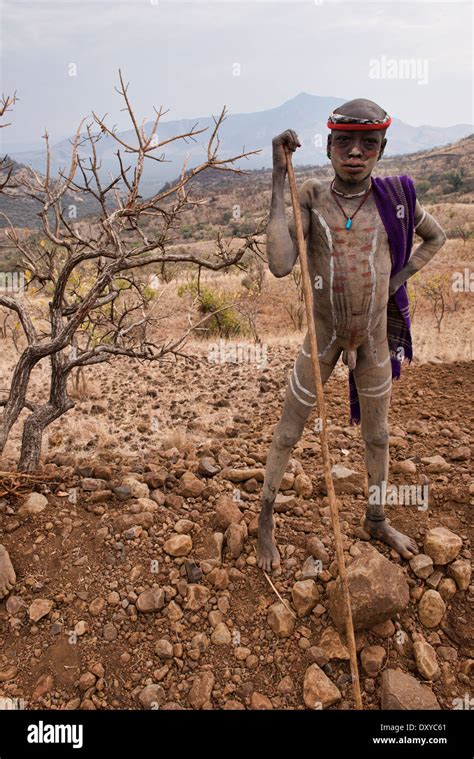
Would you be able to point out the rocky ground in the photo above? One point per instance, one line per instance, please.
(135, 551)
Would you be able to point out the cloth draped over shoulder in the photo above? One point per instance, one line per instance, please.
(395, 198)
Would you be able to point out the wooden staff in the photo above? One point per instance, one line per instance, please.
(308, 297)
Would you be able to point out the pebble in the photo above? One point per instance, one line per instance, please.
(152, 696)
(305, 596)
(39, 609)
(460, 571)
(178, 545)
(281, 621)
(372, 659)
(400, 691)
(150, 600)
(426, 660)
(431, 608)
(201, 690)
(442, 545)
(421, 565)
(318, 690)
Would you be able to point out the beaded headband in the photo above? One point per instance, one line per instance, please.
(339, 121)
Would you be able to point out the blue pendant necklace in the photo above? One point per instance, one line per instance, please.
(349, 219)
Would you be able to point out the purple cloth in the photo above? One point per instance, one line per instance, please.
(395, 198)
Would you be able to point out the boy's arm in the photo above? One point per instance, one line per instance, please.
(433, 237)
(281, 242)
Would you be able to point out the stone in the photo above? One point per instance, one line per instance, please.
(150, 600)
(152, 696)
(378, 590)
(190, 485)
(15, 605)
(259, 701)
(305, 596)
(34, 503)
(435, 464)
(400, 691)
(431, 608)
(462, 453)
(311, 568)
(221, 635)
(281, 620)
(197, 596)
(227, 512)
(164, 649)
(442, 545)
(39, 609)
(178, 545)
(9, 673)
(303, 485)
(97, 606)
(461, 572)
(318, 690)
(283, 503)
(87, 680)
(110, 632)
(447, 588)
(404, 467)
(332, 646)
(235, 536)
(434, 579)
(372, 659)
(426, 660)
(183, 526)
(43, 686)
(421, 565)
(383, 629)
(201, 690)
(137, 489)
(207, 466)
(81, 627)
(317, 549)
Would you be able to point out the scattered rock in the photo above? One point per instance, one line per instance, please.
(235, 536)
(378, 590)
(404, 467)
(150, 600)
(461, 572)
(190, 485)
(178, 545)
(305, 596)
(34, 503)
(332, 646)
(431, 608)
(422, 565)
(372, 659)
(152, 696)
(442, 545)
(317, 549)
(426, 660)
(227, 512)
(221, 635)
(201, 690)
(318, 690)
(281, 620)
(435, 464)
(39, 609)
(303, 485)
(259, 701)
(400, 691)
(197, 596)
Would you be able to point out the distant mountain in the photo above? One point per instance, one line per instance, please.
(306, 114)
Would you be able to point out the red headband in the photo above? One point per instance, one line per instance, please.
(348, 123)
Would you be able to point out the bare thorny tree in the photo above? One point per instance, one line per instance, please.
(87, 289)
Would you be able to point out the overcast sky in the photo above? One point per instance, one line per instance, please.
(183, 55)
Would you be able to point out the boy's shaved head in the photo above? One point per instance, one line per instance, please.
(360, 108)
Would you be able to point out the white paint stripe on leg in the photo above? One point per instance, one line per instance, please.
(300, 386)
(305, 403)
(377, 387)
(375, 395)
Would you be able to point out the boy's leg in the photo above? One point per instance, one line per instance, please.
(299, 401)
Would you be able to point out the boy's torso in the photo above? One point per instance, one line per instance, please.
(353, 265)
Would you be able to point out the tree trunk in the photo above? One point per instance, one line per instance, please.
(34, 426)
(16, 399)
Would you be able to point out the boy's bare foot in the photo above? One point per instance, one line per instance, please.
(405, 545)
(7, 573)
(268, 556)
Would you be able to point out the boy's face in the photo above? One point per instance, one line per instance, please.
(354, 153)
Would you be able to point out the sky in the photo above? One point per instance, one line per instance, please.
(62, 58)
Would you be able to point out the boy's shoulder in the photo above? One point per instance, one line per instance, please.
(312, 189)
